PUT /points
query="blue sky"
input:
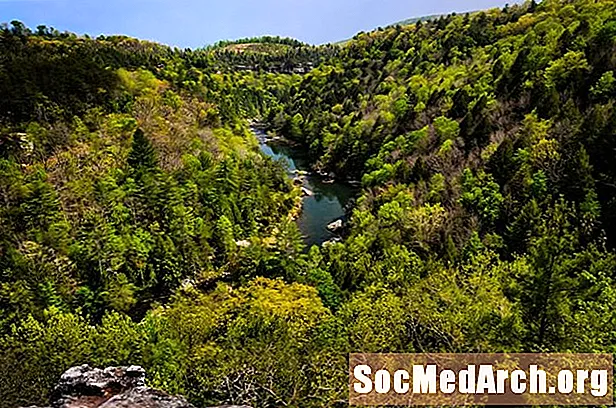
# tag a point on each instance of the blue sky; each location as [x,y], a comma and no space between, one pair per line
[194,23]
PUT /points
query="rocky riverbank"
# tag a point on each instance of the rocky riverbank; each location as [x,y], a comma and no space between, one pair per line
[321,199]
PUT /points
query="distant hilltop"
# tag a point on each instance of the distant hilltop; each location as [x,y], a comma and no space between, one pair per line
[408,21]
[413,20]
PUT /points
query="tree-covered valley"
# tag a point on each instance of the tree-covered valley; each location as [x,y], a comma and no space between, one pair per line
[141,224]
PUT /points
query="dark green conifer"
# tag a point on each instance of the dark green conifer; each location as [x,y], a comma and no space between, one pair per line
[142,156]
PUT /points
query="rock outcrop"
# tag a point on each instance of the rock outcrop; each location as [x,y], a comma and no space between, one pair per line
[112,387]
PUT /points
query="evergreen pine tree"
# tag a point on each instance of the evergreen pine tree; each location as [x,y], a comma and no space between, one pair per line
[142,155]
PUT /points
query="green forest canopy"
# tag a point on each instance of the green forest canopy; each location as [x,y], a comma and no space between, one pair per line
[485,221]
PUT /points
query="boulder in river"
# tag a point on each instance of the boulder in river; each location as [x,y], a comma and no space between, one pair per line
[306,192]
[332,241]
[335,226]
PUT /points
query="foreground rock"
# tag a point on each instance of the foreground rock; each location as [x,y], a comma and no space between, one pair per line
[113,387]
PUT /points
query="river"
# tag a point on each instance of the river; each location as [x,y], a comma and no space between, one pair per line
[328,199]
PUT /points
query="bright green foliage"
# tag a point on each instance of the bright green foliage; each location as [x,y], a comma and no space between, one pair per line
[605,85]
[38,352]
[269,338]
[140,224]
[481,194]
[446,129]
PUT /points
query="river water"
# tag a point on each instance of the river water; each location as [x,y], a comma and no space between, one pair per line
[327,202]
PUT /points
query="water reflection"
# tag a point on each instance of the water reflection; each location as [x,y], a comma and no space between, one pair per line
[327,202]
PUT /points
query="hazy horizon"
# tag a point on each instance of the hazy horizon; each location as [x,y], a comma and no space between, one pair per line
[191,23]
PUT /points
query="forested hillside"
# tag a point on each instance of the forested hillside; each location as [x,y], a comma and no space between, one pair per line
[125,175]
[141,225]
[268,54]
